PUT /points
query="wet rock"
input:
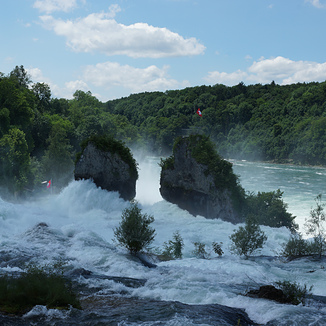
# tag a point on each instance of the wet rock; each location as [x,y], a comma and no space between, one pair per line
[269,292]
[108,170]
[193,185]
[127,281]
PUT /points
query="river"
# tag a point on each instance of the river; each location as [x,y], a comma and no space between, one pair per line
[81,220]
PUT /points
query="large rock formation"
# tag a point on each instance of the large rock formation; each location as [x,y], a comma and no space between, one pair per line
[110,165]
[198,180]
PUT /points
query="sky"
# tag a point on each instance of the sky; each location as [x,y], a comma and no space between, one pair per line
[117,48]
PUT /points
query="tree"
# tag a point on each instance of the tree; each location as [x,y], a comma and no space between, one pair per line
[247,239]
[173,248]
[57,161]
[270,209]
[134,232]
[14,160]
[21,75]
[315,225]
[42,93]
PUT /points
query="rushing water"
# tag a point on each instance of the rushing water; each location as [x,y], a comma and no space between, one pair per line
[82,218]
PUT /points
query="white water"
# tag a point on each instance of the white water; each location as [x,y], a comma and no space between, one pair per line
[82,218]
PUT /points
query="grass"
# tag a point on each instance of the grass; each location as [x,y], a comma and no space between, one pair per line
[37,286]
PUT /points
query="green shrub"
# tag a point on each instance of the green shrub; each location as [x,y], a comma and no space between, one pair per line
[134,231]
[200,250]
[247,239]
[315,226]
[217,248]
[294,292]
[173,248]
[38,286]
[270,210]
[296,247]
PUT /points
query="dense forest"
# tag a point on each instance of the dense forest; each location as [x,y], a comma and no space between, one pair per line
[40,135]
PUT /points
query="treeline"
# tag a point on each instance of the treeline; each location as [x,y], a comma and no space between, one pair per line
[40,135]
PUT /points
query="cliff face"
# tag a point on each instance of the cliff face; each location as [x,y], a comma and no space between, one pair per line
[107,170]
[192,186]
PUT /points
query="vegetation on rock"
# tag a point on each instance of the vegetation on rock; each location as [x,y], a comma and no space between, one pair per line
[204,152]
[248,238]
[173,248]
[38,286]
[297,246]
[294,292]
[270,210]
[134,231]
[108,143]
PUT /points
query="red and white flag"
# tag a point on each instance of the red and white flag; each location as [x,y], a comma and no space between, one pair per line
[199,112]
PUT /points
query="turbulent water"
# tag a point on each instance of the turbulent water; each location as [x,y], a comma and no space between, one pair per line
[81,220]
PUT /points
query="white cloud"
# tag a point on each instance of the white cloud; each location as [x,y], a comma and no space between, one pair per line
[56,91]
[99,32]
[281,70]
[316,3]
[72,86]
[112,74]
[216,77]
[49,6]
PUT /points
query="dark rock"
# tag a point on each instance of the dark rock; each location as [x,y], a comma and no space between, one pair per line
[145,260]
[269,292]
[191,185]
[108,171]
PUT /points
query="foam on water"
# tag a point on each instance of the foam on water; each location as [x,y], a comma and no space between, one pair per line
[81,222]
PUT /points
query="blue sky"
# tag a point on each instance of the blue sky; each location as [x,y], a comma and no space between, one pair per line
[116,48]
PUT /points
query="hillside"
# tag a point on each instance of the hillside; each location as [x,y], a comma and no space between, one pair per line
[40,135]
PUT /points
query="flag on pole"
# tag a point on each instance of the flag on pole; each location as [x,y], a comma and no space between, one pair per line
[199,112]
[48,184]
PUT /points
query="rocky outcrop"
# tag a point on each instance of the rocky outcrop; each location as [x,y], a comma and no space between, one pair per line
[207,189]
[108,170]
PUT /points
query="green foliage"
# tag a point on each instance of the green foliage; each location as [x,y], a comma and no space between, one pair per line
[270,210]
[294,292]
[38,286]
[217,248]
[173,248]
[256,122]
[247,239]
[14,160]
[296,247]
[315,225]
[200,250]
[167,163]
[109,144]
[134,231]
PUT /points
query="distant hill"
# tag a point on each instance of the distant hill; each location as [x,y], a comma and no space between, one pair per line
[40,135]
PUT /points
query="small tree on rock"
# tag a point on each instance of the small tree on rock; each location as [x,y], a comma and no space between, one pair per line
[315,226]
[247,239]
[173,248]
[134,231]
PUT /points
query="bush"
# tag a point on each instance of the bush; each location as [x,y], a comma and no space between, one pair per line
[173,248]
[200,251]
[270,209]
[217,248]
[297,247]
[134,231]
[294,292]
[248,238]
[38,286]
[315,226]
